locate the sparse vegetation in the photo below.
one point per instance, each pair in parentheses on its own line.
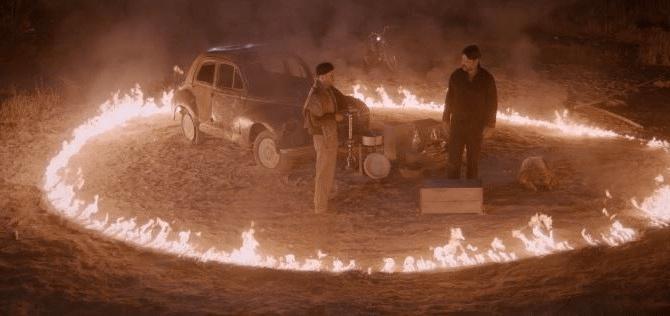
(644,24)
(656,49)
(19,107)
(14,19)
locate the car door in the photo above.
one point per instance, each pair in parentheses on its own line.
(227,100)
(203,87)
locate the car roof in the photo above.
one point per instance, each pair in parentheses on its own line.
(242,53)
(247,55)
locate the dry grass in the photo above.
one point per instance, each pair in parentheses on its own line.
(607,18)
(656,49)
(21,107)
(645,24)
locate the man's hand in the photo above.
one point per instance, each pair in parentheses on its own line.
(339,117)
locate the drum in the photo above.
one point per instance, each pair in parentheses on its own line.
(371,140)
(376,166)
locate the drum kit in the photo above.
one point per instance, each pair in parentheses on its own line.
(365,151)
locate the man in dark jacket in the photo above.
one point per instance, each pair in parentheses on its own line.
(321,112)
(470,111)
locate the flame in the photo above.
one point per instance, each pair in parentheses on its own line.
(617,234)
(561,122)
(659,179)
(589,239)
(177,70)
(389,265)
(454,255)
(542,240)
(157,234)
(657,206)
(659,144)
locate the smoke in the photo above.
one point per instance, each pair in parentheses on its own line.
(110,45)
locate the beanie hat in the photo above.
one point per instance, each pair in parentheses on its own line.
(324,68)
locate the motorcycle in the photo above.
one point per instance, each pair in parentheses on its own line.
(378,52)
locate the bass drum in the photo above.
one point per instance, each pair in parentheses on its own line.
(376,166)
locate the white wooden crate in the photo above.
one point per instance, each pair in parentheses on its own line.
(451,197)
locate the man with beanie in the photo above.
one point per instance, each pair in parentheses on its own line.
(321,114)
(470,111)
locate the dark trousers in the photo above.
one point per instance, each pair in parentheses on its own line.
(464,138)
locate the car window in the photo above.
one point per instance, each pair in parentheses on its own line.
(238,84)
(206,73)
(294,68)
(224,78)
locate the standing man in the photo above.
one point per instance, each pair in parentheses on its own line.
(470,111)
(320,118)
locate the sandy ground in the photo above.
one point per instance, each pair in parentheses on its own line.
(55,268)
(147,170)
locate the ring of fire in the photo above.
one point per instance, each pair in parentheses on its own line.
(157,234)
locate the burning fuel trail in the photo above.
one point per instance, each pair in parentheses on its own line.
(536,239)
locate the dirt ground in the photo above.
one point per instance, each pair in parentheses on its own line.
(147,170)
(215,188)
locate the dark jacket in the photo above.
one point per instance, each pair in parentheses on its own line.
(471,103)
(320,107)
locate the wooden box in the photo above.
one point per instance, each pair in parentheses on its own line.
(397,140)
(451,197)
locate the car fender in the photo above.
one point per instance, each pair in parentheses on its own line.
(184,100)
(282,120)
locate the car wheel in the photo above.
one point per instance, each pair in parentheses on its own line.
(189,128)
(267,154)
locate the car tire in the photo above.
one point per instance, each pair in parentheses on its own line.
(190,128)
(267,154)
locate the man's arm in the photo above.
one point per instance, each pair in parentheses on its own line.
(318,115)
(341,100)
(316,111)
(448,101)
(491,103)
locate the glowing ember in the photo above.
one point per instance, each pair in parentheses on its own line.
(158,235)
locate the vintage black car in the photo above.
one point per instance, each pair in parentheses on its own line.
(254,95)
